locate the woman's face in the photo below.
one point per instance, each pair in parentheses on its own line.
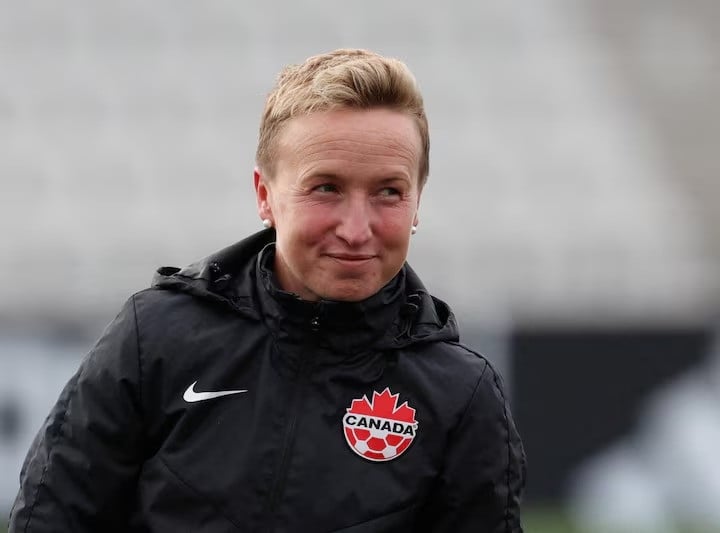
(343,199)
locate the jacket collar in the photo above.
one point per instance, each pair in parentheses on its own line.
(341,327)
(240,278)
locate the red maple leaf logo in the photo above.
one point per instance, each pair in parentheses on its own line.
(383,405)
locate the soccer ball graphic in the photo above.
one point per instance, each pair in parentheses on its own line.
(377,441)
(379,430)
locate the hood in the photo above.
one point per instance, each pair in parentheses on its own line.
(233,278)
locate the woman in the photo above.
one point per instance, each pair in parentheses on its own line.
(302,379)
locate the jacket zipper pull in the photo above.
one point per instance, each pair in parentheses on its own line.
(315,323)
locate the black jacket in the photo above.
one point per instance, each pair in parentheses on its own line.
(362,417)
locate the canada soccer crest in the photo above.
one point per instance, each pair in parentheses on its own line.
(379,430)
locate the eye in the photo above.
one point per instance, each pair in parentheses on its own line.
(326,187)
(389,192)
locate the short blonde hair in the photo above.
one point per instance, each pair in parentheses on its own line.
(344,78)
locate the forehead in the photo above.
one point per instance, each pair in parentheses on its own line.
(351,136)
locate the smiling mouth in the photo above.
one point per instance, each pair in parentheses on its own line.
(345,258)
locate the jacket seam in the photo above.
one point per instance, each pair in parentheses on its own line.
(35,498)
(405,508)
(191,278)
(468,350)
(506,513)
(468,407)
(509,452)
(137,348)
(192,489)
(472,396)
(54,437)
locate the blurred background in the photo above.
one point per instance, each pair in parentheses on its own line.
(571,216)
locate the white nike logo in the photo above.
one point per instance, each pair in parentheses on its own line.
(192,396)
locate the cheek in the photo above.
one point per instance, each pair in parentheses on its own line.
(307,223)
(395,224)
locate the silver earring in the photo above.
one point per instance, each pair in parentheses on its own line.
(413,229)
(267,223)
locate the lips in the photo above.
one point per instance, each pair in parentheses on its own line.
(351,257)
(352,261)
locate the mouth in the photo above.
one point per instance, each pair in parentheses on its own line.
(351,259)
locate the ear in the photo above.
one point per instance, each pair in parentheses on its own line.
(262,195)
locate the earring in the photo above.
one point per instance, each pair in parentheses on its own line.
(413,229)
(267,223)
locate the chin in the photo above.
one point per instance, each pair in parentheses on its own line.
(353,293)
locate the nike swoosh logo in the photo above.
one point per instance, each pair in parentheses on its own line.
(192,396)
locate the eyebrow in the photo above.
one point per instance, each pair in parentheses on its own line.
(338,177)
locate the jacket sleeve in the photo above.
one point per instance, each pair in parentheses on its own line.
(483,478)
(80,472)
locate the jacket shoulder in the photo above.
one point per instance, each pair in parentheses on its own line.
(454,359)
(156,299)
(488,380)
(161,307)
(456,378)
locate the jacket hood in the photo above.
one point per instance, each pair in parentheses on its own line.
(240,278)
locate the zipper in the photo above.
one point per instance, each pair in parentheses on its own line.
(289,438)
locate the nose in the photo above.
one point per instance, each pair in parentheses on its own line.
(354,227)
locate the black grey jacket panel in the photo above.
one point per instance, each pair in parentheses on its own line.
(132,444)
(84,464)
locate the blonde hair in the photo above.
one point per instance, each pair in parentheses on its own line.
(344,78)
